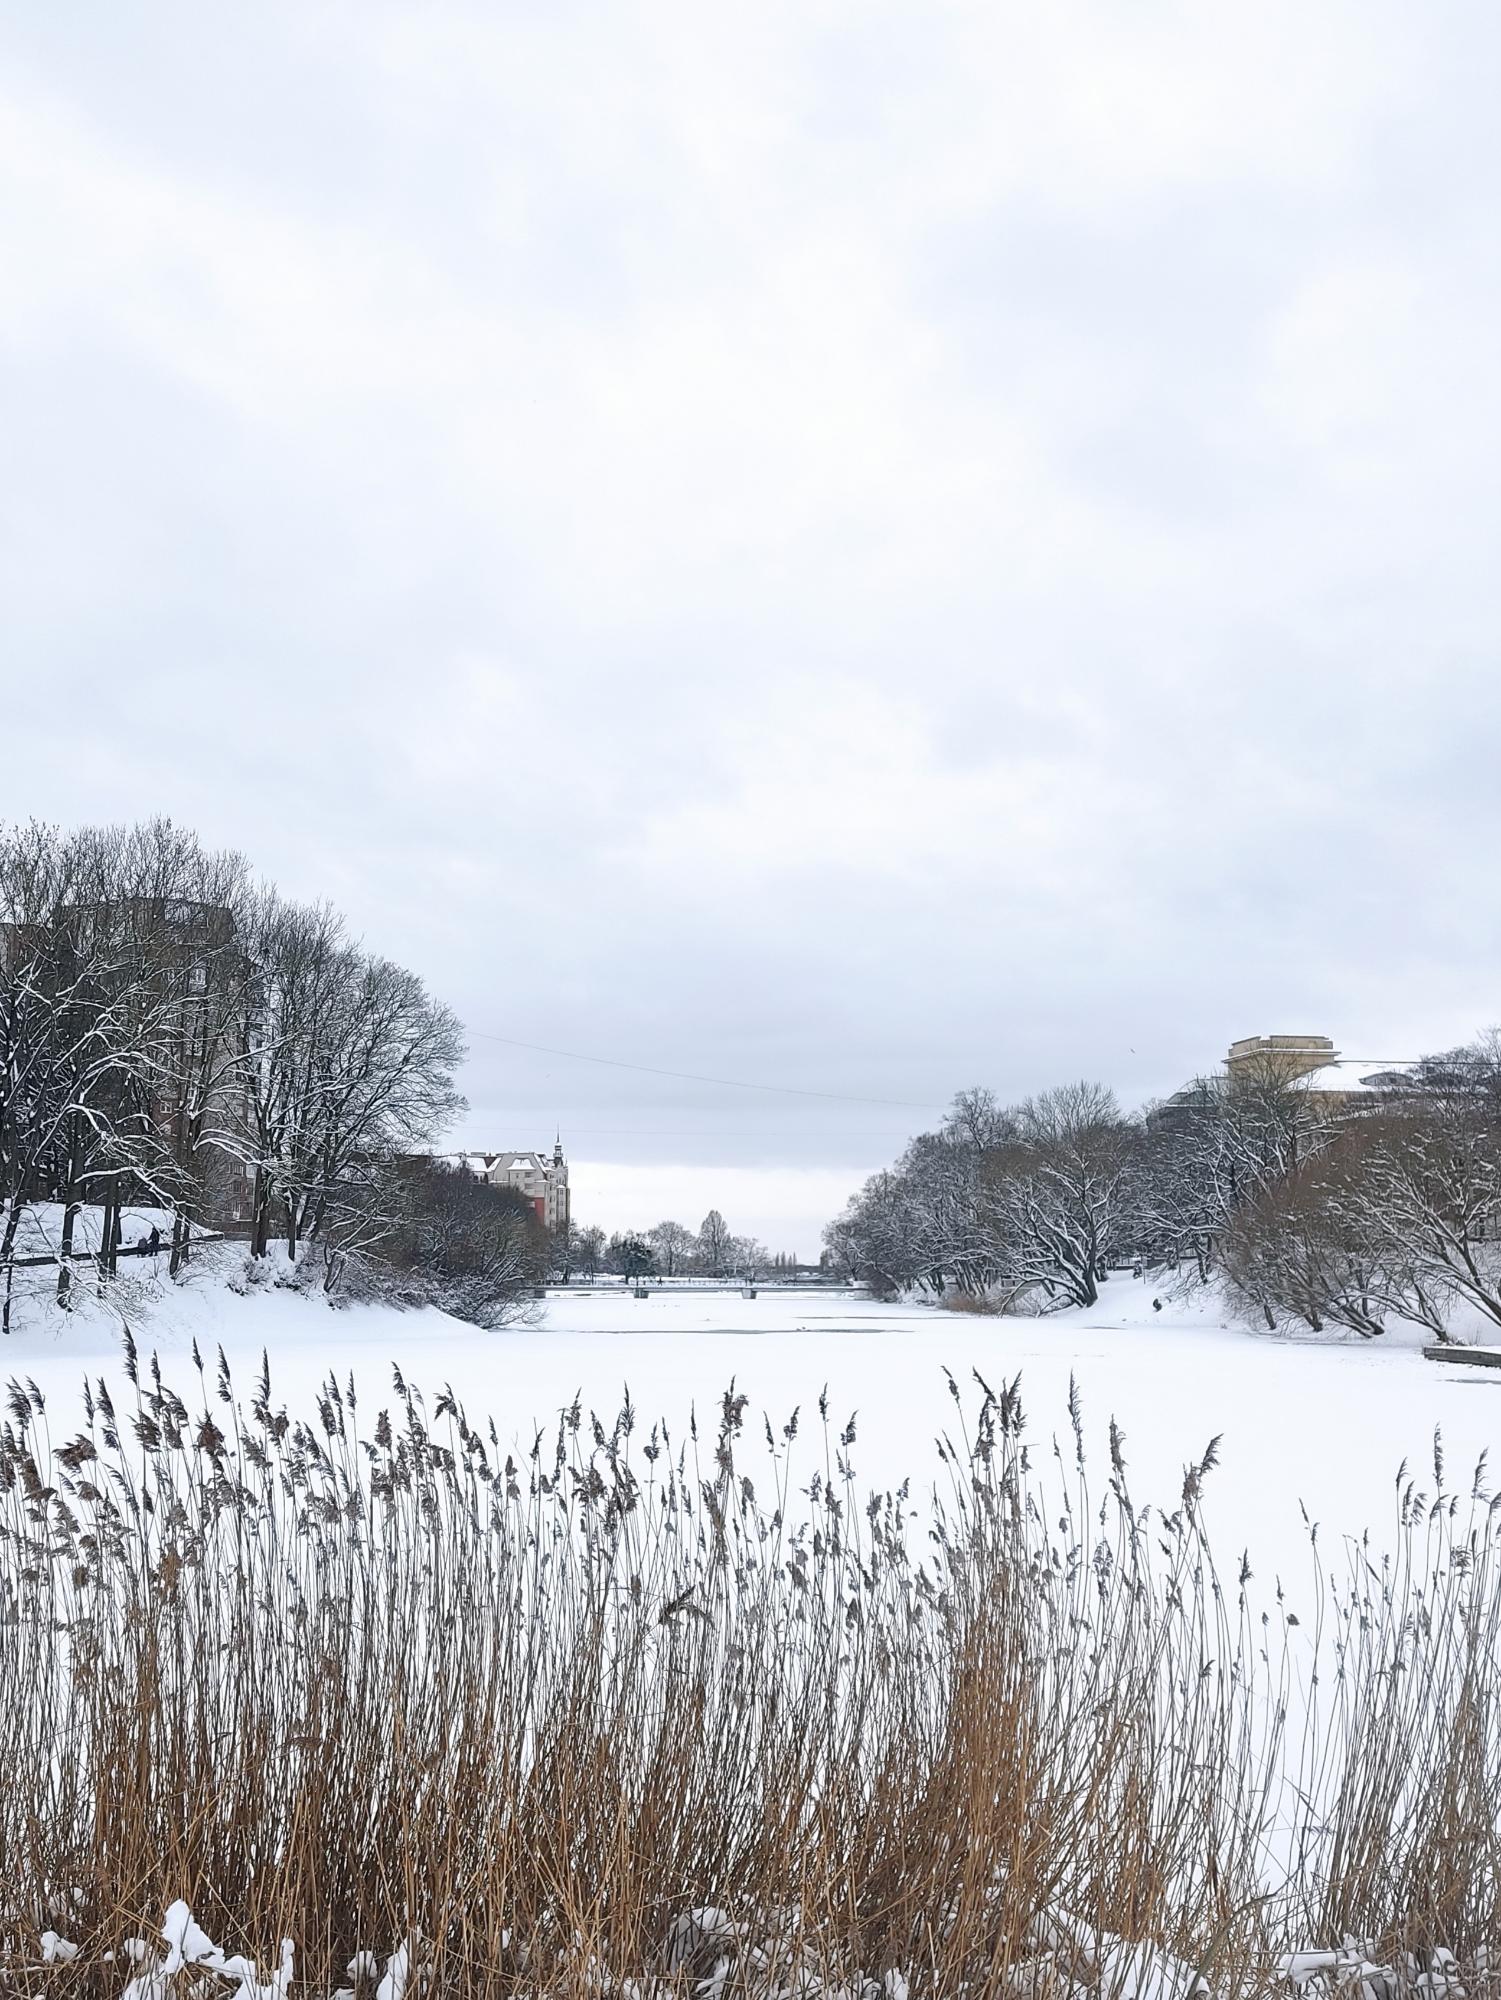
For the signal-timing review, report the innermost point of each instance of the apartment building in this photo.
(537, 1177)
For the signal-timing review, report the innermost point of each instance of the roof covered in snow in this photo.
(1351, 1078)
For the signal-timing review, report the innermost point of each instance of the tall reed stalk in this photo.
(645, 1712)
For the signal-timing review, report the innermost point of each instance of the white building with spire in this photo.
(536, 1178)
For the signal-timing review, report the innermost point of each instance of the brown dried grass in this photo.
(348, 1682)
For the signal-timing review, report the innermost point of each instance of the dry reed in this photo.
(615, 1720)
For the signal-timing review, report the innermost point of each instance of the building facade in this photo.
(1255, 1058)
(536, 1177)
(1332, 1082)
(1333, 1085)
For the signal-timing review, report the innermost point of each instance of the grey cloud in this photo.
(865, 549)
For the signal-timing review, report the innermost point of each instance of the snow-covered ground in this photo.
(1326, 1423)
(40, 1230)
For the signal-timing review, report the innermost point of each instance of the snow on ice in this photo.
(1321, 1424)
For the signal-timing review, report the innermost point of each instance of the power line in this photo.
(576, 1132)
(793, 1090)
(721, 1132)
(689, 1076)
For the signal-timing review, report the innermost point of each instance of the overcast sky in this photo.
(864, 548)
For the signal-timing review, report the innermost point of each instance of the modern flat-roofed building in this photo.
(1255, 1058)
(1333, 1085)
(1312, 1063)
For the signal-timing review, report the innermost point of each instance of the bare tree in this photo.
(673, 1247)
(348, 1060)
(184, 906)
(475, 1249)
(714, 1243)
(562, 1249)
(1294, 1249)
(590, 1249)
(748, 1256)
(1429, 1204)
(1032, 1199)
(881, 1236)
(1060, 1193)
(630, 1255)
(1214, 1146)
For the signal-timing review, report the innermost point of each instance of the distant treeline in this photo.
(1306, 1205)
(670, 1250)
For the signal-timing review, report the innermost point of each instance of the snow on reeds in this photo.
(644, 1715)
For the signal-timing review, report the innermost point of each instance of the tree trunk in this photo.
(182, 1241)
(12, 1225)
(70, 1218)
(7, 1246)
(65, 1249)
(260, 1225)
(109, 1242)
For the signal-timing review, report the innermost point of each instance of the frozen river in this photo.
(1324, 1423)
